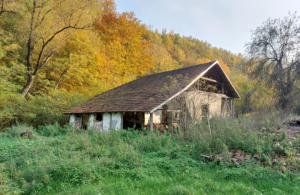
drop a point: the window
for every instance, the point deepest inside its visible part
(99, 117)
(78, 117)
(205, 110)
(176, 116)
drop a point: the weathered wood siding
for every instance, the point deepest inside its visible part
(194, 101)
(191, 102)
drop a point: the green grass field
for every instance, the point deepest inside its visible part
(63, 161)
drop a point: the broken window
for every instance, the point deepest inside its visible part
(205, 110)
(133, 120)
(177, 116)
(99, 117)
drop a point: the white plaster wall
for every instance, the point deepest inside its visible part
(98, 126)
(116, 121)
(195, 99)
(72, 120)
(157, 117)
(91, 122)
(106, 121)
(112, 121)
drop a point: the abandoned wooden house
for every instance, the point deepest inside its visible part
(164, 100)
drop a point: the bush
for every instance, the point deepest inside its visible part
(153, 142)
(37, 110)
(258, 138)
(10, 105)
(296, 144)
(20, 131)
(52, 130)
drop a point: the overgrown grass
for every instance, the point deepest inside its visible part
(58, 160)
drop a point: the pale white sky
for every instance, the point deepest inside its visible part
(223, 23)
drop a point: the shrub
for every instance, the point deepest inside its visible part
(52, 130)
(153, 142)
(36, 110)
(5, 185)
(20, 131)
(296, 144)
(10, 105)
(226, 135)
(125, 156)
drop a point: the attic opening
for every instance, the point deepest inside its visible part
(216, 81)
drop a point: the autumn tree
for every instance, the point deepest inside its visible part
(78, 67)
(126, 46)
(7, 6)
(275, 52)
(41, 26)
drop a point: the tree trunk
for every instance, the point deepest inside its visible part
(28, 85)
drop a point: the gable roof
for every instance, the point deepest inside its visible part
(148, 93)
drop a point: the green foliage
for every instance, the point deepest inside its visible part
(38, 110)
(52, 130)
(258, 138)
(16, 131)
(65, 160)
(272, 62)
(296, 143)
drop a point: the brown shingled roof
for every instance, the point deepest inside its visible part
(143, 94)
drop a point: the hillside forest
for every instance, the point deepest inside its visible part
(55, 54)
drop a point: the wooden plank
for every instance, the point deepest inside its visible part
(209, 79)
(151, 121)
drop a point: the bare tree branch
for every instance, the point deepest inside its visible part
(38, 46)
(274, 48)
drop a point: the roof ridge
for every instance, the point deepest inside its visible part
(150, 75)
(183, 68)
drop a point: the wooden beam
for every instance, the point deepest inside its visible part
(151, 121)
(209, 79)
(232, 107)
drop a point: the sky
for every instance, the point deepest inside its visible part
(223, 23)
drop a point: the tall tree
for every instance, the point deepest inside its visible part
(275, 52)
(42, 27)
(126, 46)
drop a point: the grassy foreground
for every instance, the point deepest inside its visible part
(60, 160)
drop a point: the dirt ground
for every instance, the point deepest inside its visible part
(292, 126)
